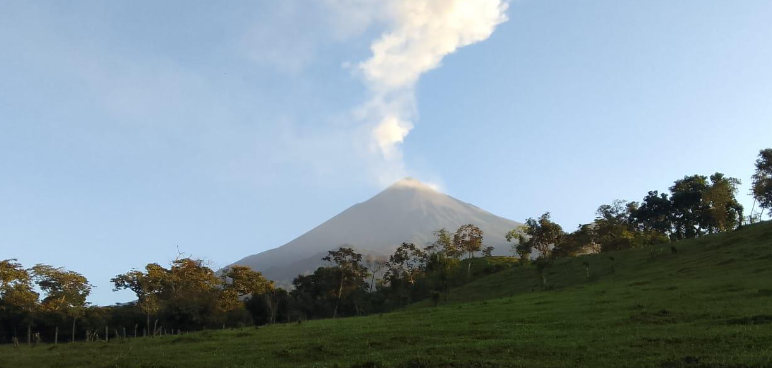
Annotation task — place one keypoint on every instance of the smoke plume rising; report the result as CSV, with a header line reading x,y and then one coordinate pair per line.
x,y
419,35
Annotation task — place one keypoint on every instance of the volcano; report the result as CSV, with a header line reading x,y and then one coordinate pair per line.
x,y
407,211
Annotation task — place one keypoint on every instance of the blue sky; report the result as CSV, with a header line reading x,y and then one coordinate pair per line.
x,y
128,130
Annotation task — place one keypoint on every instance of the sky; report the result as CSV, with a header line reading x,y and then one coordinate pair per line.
x,y
131,131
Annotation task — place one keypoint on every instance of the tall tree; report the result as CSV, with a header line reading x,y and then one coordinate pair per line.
x,y
192,294
441,262
187,295
542,234
351,273
317,294
688,206
654,213
18,300
65,291
469,239
407,263
147,286
240,282
521,246
762,181
443,243
723,212
374,265
577,242
612,230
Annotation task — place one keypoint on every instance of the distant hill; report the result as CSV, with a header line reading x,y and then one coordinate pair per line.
x,y
407,211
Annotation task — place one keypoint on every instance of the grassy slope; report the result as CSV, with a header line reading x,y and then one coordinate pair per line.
x,y
709,305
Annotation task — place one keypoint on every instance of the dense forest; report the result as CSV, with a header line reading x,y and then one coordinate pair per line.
x,y
49,304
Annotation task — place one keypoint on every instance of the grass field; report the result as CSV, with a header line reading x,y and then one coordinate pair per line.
x,y
709,304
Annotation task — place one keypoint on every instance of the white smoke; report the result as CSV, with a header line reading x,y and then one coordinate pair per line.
x,y
420,34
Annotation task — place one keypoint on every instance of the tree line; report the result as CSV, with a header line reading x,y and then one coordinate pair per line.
x,y
46,303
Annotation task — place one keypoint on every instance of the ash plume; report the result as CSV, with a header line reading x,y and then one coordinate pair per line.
x,y
420,33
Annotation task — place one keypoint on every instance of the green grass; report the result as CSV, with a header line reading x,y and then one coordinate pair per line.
x,y
709,305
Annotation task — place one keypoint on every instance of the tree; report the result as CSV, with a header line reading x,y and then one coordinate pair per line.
x,y
688,206
442,261
374,265
612,229
317,293
240,282
405,267
65,292
440,268
146,285
443,243
654,213
762,181
192,295
188,295
407,263
723,211
542,268
576,242
521,247
487,251
542,234
350,271
468,238
18,300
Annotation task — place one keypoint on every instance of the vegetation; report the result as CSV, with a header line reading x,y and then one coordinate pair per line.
x,y
708,305
762,183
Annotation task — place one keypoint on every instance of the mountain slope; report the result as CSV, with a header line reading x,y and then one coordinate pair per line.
x,y
408,211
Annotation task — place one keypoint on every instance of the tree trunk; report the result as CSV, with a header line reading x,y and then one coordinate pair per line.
x,y
73,328
270,310
155,327
56,335
29,334
469,267
148,323
135,330
752,209
107,334
340,293
269,302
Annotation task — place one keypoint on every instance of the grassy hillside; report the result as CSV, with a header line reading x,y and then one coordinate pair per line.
x,y
741,259
707,305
